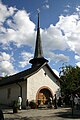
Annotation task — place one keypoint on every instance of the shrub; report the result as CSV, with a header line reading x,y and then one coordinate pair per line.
x,y
15,106
32,104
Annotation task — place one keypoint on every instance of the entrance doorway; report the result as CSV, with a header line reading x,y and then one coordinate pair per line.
x,y
43,96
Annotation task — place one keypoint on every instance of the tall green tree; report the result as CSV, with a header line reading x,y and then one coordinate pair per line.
x,y
70,77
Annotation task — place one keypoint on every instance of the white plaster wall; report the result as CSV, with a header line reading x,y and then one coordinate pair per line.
x,y
15,92
39,80
4,93
30,87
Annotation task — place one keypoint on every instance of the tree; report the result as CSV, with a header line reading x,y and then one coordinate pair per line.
x,y
70,77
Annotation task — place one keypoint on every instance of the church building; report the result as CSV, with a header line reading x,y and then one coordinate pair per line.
x,y
36,83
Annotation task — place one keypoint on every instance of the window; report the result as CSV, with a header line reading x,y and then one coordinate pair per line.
x,y
9,93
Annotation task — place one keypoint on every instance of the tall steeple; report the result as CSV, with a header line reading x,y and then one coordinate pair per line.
x,y
38,55
38,47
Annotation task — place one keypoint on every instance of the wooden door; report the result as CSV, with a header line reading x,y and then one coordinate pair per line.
x,y
42,98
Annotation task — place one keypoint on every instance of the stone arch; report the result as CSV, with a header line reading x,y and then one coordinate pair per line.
x,y
43,94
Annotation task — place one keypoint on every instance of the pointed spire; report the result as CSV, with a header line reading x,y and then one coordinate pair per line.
x,y
38,47
38,55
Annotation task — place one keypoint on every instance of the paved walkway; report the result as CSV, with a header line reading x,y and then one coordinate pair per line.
x,y
42,114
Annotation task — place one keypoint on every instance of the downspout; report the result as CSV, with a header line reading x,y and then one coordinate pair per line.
x,y
20,89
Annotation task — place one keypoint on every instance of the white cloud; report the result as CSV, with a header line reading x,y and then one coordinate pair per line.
x,y
70,25
5,12
66,10
46,6
6,66
21,31
12,10
26,56
53,39
78,9
20,28
77,57
67,6
57,57
4,56
78,64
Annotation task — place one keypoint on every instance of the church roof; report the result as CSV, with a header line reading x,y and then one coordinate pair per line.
x,y
22,76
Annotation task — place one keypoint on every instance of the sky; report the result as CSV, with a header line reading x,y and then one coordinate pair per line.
x,y
59,28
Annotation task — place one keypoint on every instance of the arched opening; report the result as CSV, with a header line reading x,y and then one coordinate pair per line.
x,y
43,96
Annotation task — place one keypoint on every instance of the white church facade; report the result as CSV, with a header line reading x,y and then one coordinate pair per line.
x,y
36,83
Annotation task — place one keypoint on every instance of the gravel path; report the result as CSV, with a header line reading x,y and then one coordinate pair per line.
x,y
42,114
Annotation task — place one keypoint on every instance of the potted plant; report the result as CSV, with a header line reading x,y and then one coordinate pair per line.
x,y
32,104
15,106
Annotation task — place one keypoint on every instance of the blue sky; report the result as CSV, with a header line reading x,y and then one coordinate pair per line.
x,y
60,33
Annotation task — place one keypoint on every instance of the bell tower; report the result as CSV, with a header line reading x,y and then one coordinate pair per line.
x,y
38,55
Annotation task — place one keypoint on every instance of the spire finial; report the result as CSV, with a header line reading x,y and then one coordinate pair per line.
x,y
38,21
38,18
